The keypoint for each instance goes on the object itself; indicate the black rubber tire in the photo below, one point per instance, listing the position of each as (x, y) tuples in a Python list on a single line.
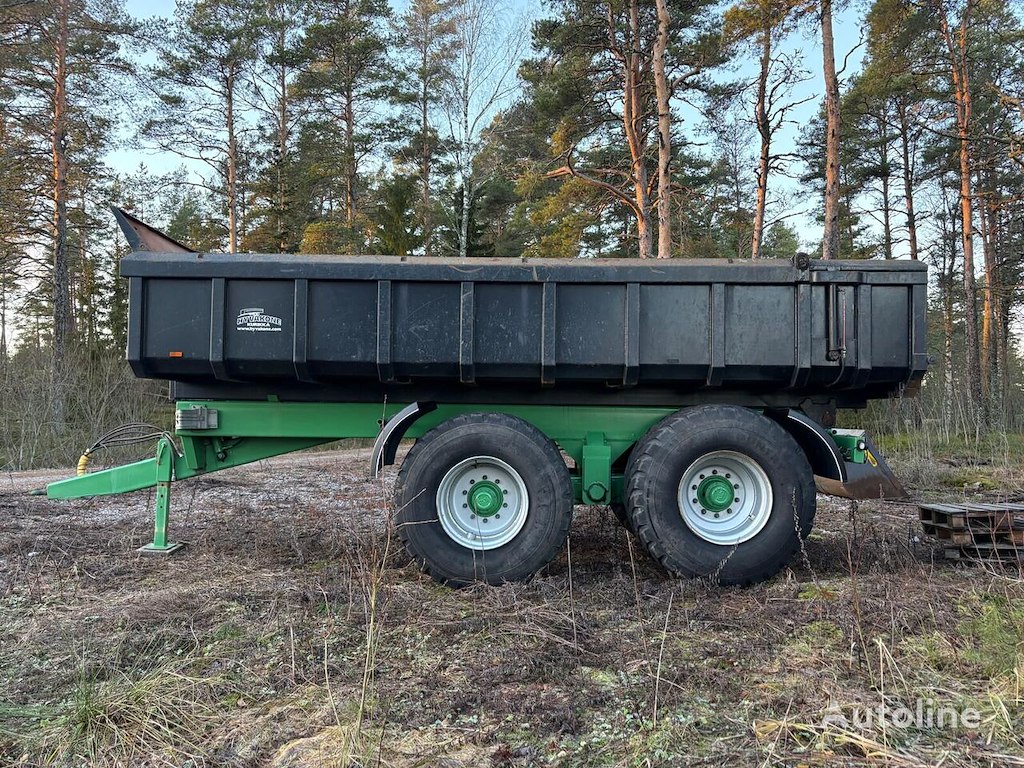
[(622, 515), (524, 447), (671, 446), (619, 508)]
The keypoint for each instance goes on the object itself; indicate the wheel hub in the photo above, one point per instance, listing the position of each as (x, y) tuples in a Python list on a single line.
[(715, 493), (485, 499)]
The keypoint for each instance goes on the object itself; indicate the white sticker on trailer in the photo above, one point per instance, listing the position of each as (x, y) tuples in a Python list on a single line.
[(256, 320)]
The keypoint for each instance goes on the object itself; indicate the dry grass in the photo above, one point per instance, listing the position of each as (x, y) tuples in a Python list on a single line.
[(126, 716), (294, 632)]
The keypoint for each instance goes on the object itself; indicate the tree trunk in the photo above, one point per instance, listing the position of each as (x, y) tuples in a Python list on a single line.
[(663, 95), (282, 144), (464, 217), (350, 158), (232, 163), (962, 95), (465, 170), (883, 135), (908, 177), (948, 324), (887, 250), (987, 351), (830, 234), (86, 315), (425, 151), (947, 221), (4, 270), (62, 316), (970, 286), (3, 319), (1003, 347), (765, 132), (632, 116)]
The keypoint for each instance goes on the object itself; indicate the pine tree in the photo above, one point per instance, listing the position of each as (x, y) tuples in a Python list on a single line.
[(345, 84), (598, 62), (955, 35), (280, 207), (896, 80), (203, 67), (396, 232), (833, 130), (428, 37), (62, 60)]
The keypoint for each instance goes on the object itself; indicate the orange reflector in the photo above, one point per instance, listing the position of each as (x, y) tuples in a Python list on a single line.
[(177, 354)]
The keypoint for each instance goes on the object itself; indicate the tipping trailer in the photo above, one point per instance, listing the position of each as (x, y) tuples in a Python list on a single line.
[(697, 398)]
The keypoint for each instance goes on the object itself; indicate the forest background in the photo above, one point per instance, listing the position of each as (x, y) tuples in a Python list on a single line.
[(455, 128)]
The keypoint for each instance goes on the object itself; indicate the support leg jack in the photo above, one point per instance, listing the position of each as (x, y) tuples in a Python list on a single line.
[(165, 469)]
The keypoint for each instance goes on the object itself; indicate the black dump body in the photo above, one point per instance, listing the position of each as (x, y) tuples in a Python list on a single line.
[(531, 331)]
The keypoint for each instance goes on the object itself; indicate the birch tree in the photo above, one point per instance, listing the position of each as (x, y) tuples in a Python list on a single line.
[(765, 23), (489, 44)]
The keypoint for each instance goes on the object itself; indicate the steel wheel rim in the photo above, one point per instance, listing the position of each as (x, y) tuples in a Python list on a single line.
[(482, 503), (706, 510)]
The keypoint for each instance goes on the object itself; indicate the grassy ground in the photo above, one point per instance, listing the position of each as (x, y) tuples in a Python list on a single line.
[(294, 632)]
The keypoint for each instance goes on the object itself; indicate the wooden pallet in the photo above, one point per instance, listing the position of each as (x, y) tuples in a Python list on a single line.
[(1007, 553), (985, 531)]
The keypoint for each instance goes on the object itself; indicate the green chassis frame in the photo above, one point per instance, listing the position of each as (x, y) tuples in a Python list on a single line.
[(250, 431), (229, 433)]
